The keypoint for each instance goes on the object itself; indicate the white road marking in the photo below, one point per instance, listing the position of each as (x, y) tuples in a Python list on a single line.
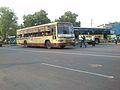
[(97, 74), (95, 65), (67, 53), (81, 71)]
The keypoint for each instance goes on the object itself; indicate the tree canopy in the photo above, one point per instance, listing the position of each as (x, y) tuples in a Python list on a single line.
[(114, 23), (36, 19), (69, 17), (8, 22)]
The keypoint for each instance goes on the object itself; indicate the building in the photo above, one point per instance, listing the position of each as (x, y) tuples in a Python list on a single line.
[(114, 28)]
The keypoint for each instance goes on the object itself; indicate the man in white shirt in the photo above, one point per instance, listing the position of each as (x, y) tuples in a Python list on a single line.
[(82, 41), (93, 40)]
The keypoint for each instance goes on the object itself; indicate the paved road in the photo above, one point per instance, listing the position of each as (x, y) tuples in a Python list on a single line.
[(92, 68)]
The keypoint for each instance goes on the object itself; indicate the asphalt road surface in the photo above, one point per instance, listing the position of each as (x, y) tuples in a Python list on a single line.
[(91, 68)]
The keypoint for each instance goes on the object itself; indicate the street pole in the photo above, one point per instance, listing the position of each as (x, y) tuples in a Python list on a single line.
[(91, 22)]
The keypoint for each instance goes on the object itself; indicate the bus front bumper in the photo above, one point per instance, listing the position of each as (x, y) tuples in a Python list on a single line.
[(64, 44)]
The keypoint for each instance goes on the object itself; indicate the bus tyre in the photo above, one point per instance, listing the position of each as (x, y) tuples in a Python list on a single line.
[(25, 44), (48, 44), (89, 43), (0, 45), (97, 41), (62, 46)]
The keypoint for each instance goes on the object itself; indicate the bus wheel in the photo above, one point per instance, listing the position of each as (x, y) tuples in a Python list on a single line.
[(89, 43), (97, 41), (25, 43), (0, 45), (48, 44), (62, 46)]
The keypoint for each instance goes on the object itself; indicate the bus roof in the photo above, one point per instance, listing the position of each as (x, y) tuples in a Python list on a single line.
[(42, 25), (79, 28)]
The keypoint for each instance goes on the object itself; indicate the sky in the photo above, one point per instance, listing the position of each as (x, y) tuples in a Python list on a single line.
[(99, 11)]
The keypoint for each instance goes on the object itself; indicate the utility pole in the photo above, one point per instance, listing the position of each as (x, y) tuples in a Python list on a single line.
[(91, 23)]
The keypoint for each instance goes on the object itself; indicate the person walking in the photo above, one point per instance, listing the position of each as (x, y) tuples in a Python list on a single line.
[(83, 41), (116, 40), (93, 40)]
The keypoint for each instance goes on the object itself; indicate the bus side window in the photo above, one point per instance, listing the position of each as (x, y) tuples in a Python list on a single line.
[(48, 33), (20, 35), (39, 33), (54, 33), (43, 34)]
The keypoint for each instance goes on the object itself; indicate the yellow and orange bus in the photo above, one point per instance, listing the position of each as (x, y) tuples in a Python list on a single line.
[(57, 34)]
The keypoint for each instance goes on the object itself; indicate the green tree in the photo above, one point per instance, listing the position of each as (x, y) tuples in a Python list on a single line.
[(28, 20), (36, 19), (114, 23), (8, 22), (69, 17), (20, 26)]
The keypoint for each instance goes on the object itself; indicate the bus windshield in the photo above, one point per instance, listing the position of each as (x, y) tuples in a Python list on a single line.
[(65, 29)]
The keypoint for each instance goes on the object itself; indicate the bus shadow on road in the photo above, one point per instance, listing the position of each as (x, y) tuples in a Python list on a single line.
[(48, 49)]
